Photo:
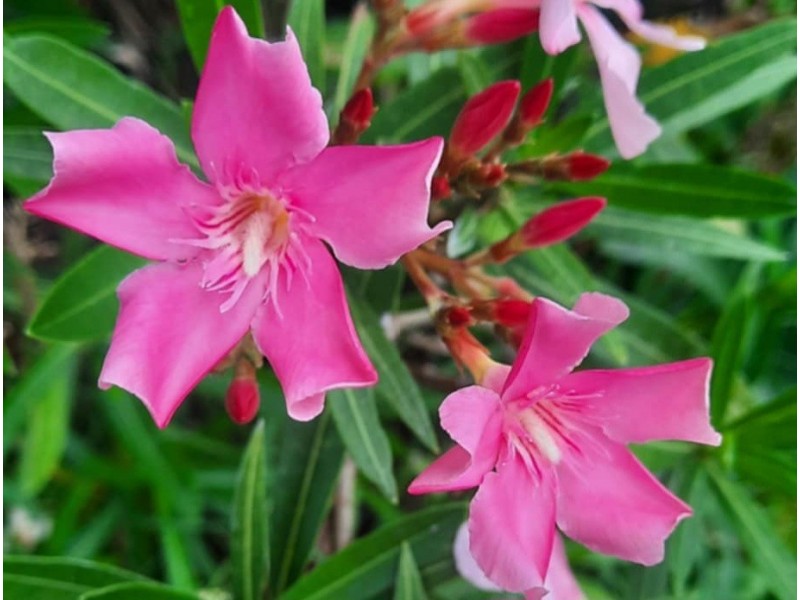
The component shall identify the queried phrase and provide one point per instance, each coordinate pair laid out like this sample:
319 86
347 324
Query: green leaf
355 49
32 386
82 305
426 109
48 427
198 18
366 568
307 20
698 87
727 350
72 89
759 538
249 538
356 417
86 33
395 383
666 234
408 585
58 578
474 73
137 591
27 154
694 190
307 467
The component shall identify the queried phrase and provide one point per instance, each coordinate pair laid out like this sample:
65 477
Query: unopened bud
535 102
501 25
552 225
459 316
355 117
483 117
509 315
485 175
243 398
440 187
582 166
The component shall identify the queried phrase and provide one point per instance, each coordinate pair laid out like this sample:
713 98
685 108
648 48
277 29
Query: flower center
252 232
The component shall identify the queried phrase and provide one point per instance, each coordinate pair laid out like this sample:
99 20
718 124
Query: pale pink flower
244 254
546 447
617 60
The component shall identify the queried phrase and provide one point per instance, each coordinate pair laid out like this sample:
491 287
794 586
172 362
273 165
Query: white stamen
540 435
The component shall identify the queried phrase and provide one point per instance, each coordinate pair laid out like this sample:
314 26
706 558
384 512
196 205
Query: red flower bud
512 313
359 109
501 25
483 117
440 188
243 398
557 223
534 103
458 316
582 166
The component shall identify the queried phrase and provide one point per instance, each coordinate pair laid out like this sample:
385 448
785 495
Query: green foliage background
699 239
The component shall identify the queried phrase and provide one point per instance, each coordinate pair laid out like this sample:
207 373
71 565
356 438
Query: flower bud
440 187
582 166
483 117
355 117
242 399
501 25
552 225
534 104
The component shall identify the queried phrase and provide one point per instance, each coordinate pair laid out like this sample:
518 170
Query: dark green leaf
395 383
727 349
366 568
355 49
408 584
82 305
307 20
249 538
307 464
356 417
86 33
138 591
72 89
27 154
694 190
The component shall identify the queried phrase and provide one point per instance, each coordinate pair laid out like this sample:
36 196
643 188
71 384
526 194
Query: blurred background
700 241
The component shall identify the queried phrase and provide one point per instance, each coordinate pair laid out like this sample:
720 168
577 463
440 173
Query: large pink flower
243 254
546 447
618 61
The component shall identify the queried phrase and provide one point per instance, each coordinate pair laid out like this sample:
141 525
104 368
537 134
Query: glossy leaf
307 462
250 538
86 33
395 383
366 568
307 20
686 189
72 89
356 417
82 304
408 584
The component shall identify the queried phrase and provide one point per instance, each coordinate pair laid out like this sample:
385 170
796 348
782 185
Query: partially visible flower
618 61
246 252
547 447
560 583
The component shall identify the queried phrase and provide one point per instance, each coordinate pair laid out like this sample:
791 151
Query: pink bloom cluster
242 255
546 447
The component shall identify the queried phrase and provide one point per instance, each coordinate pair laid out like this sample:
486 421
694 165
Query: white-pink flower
243 254
547 447
617 60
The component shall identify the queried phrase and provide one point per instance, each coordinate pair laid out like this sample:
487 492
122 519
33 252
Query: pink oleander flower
547 447
242 255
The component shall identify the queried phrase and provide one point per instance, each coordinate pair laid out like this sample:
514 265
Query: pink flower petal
170 334
255 107
465 562
665 402
557 339
610 503
619 66
307 335
511 526
558 25
123 186
560 582
472 417
370 202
